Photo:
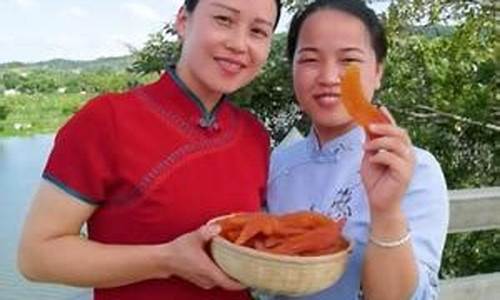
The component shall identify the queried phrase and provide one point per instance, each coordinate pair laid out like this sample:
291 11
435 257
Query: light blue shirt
304 176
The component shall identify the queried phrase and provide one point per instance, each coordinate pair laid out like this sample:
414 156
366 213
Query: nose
329 74
236 41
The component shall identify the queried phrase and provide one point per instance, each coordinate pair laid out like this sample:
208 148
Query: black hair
356 8
190 5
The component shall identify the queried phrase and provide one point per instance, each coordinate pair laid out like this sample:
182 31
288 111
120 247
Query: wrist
162 256
388 225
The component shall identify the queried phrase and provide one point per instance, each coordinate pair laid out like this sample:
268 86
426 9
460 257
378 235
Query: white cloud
26 3
142 11
75 12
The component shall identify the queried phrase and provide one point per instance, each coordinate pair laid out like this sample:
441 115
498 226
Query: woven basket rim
280 257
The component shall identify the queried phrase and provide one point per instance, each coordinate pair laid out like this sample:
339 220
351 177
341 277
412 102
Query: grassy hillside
109 63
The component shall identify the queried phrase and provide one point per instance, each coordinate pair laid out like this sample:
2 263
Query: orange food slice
358 107
300 233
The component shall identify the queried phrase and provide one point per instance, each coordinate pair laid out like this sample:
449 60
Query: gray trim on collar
208 117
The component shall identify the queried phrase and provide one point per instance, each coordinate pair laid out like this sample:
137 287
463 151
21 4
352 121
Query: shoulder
94 113
284 158
250 121
427 193
428 169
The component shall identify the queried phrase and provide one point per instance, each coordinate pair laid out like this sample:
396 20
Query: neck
207 96
326 134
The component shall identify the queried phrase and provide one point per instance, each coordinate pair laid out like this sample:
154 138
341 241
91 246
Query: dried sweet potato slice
304 219
258 223
359 108
301 233
314 240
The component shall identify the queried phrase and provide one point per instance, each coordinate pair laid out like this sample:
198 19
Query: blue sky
36 30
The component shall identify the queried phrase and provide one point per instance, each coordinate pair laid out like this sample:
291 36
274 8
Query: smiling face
224 44
328 41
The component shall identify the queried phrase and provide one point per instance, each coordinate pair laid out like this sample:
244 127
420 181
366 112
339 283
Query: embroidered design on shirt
340 206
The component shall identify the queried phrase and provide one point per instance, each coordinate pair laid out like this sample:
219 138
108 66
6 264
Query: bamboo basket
279 274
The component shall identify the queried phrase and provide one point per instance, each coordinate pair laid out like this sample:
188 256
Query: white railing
472 210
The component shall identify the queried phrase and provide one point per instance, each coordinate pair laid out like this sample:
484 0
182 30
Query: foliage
471 253
159 50
443 88
40 100
50 81
40 113
269 96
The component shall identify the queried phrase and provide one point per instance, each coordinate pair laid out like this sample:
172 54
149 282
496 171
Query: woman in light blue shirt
392 194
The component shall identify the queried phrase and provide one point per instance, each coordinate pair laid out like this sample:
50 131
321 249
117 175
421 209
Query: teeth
229 66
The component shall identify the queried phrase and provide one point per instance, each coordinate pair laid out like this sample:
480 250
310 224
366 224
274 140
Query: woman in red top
145 169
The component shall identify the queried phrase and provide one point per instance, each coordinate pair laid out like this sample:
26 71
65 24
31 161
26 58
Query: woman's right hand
187 259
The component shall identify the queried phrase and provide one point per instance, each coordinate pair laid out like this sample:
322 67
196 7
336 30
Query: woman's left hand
387 168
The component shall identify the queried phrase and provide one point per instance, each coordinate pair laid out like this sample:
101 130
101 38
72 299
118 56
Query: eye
259 32
306 60
348 60
223 20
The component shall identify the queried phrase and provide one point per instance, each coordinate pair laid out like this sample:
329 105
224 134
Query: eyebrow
264 22
225 7
307 49
236 11
349 49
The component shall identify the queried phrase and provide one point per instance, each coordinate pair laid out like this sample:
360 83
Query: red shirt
158 166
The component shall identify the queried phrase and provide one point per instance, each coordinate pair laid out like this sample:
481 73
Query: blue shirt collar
349 141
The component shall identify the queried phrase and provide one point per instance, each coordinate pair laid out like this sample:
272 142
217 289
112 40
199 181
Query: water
21 163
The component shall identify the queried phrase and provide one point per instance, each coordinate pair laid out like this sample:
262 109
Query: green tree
12 80
161 49
38 81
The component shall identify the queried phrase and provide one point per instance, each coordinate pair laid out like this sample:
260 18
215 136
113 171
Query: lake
21 163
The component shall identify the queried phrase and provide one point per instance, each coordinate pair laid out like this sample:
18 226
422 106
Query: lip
326 99
230 65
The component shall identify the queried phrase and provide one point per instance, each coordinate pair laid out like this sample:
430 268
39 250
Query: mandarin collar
349 141
208 117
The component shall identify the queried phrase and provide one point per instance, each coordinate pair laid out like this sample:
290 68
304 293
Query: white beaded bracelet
391 244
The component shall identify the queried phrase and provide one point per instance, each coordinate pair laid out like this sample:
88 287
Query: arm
388 273
52 250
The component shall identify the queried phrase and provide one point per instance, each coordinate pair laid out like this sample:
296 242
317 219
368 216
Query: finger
207 232
203 282
394 163
393 145
388 114
390 130
209 269
219 277
222 280
231 285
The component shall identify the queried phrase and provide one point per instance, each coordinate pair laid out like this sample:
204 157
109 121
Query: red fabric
156 173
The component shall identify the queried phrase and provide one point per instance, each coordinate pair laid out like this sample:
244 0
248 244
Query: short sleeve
427 209
82 159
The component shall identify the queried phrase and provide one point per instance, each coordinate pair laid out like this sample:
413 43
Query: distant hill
113 63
